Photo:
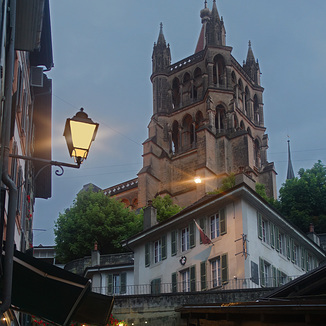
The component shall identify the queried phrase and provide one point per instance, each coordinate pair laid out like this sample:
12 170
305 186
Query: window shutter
163 247
261 268
274 276
224 266
292 250
202 226
278 277
192 235
174 283
19 190
303 260
203 275
222 221
110 283
260 230
147 257
288 248
123 283
277 235
272 235
193 278
173 243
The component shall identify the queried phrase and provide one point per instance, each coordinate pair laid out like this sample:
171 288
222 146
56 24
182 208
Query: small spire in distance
290 173
161 38
205 3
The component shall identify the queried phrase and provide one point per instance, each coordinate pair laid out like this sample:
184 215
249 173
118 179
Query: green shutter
164 247
272 236
110 283
261 268
203 275
288 248
278 277
202 226
156 286
274 276
193 278
292 250
123 283
147 255
192 235
224 268
260 227
277 235
173 243
303 258
174 283
222 222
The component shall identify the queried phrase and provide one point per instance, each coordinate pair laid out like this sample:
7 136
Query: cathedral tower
207 121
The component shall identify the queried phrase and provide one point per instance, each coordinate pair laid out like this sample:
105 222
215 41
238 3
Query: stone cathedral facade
207 122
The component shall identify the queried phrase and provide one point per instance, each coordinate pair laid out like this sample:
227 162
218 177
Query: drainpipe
11 215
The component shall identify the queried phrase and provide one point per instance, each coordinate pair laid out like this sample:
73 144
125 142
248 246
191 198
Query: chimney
95 257
312 235
150 216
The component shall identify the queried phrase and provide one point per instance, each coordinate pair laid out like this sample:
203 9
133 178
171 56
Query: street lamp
79 132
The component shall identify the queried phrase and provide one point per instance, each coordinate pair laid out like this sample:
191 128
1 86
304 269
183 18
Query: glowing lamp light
79 132
197 180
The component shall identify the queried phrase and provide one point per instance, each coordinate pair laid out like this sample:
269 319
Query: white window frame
185 238
158 251
216 272
215 225
185 280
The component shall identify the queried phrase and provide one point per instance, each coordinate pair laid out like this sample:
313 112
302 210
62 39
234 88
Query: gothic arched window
257 153
197 82
246 101
256 110
220 119
176 92
175 137
219 71
188 132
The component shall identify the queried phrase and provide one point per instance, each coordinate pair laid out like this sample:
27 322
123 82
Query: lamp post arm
41 160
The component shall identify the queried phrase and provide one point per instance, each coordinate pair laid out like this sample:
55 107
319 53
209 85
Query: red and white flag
204 238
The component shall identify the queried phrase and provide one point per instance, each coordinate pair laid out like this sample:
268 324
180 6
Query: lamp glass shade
81 136
79 132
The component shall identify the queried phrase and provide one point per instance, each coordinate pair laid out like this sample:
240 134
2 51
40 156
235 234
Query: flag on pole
204 238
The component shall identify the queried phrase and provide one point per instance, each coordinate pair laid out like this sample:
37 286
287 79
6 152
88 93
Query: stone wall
159 310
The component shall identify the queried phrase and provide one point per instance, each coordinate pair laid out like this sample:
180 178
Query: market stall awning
56 295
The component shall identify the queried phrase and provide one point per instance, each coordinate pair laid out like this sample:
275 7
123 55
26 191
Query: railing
190 286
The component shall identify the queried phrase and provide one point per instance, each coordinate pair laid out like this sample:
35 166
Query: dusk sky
102 54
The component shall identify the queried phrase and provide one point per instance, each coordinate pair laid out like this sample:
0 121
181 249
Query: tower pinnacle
290 173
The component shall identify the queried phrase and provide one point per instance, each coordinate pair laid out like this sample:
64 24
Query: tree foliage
228 182
303 200
93 217
165 207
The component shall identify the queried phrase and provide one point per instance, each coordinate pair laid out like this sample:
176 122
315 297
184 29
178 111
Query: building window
215 226
216 272
265 273
219 270
295 253
188 237
281 243
117 283
281 278
185 280
218 224
185 244
147 254
159 248
263 228
157 251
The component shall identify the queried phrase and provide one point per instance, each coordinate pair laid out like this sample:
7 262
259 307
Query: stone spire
251 66
202 40
161 53
250 55
290 173
215 28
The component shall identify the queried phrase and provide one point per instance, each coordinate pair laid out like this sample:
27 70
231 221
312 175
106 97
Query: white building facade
251 245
